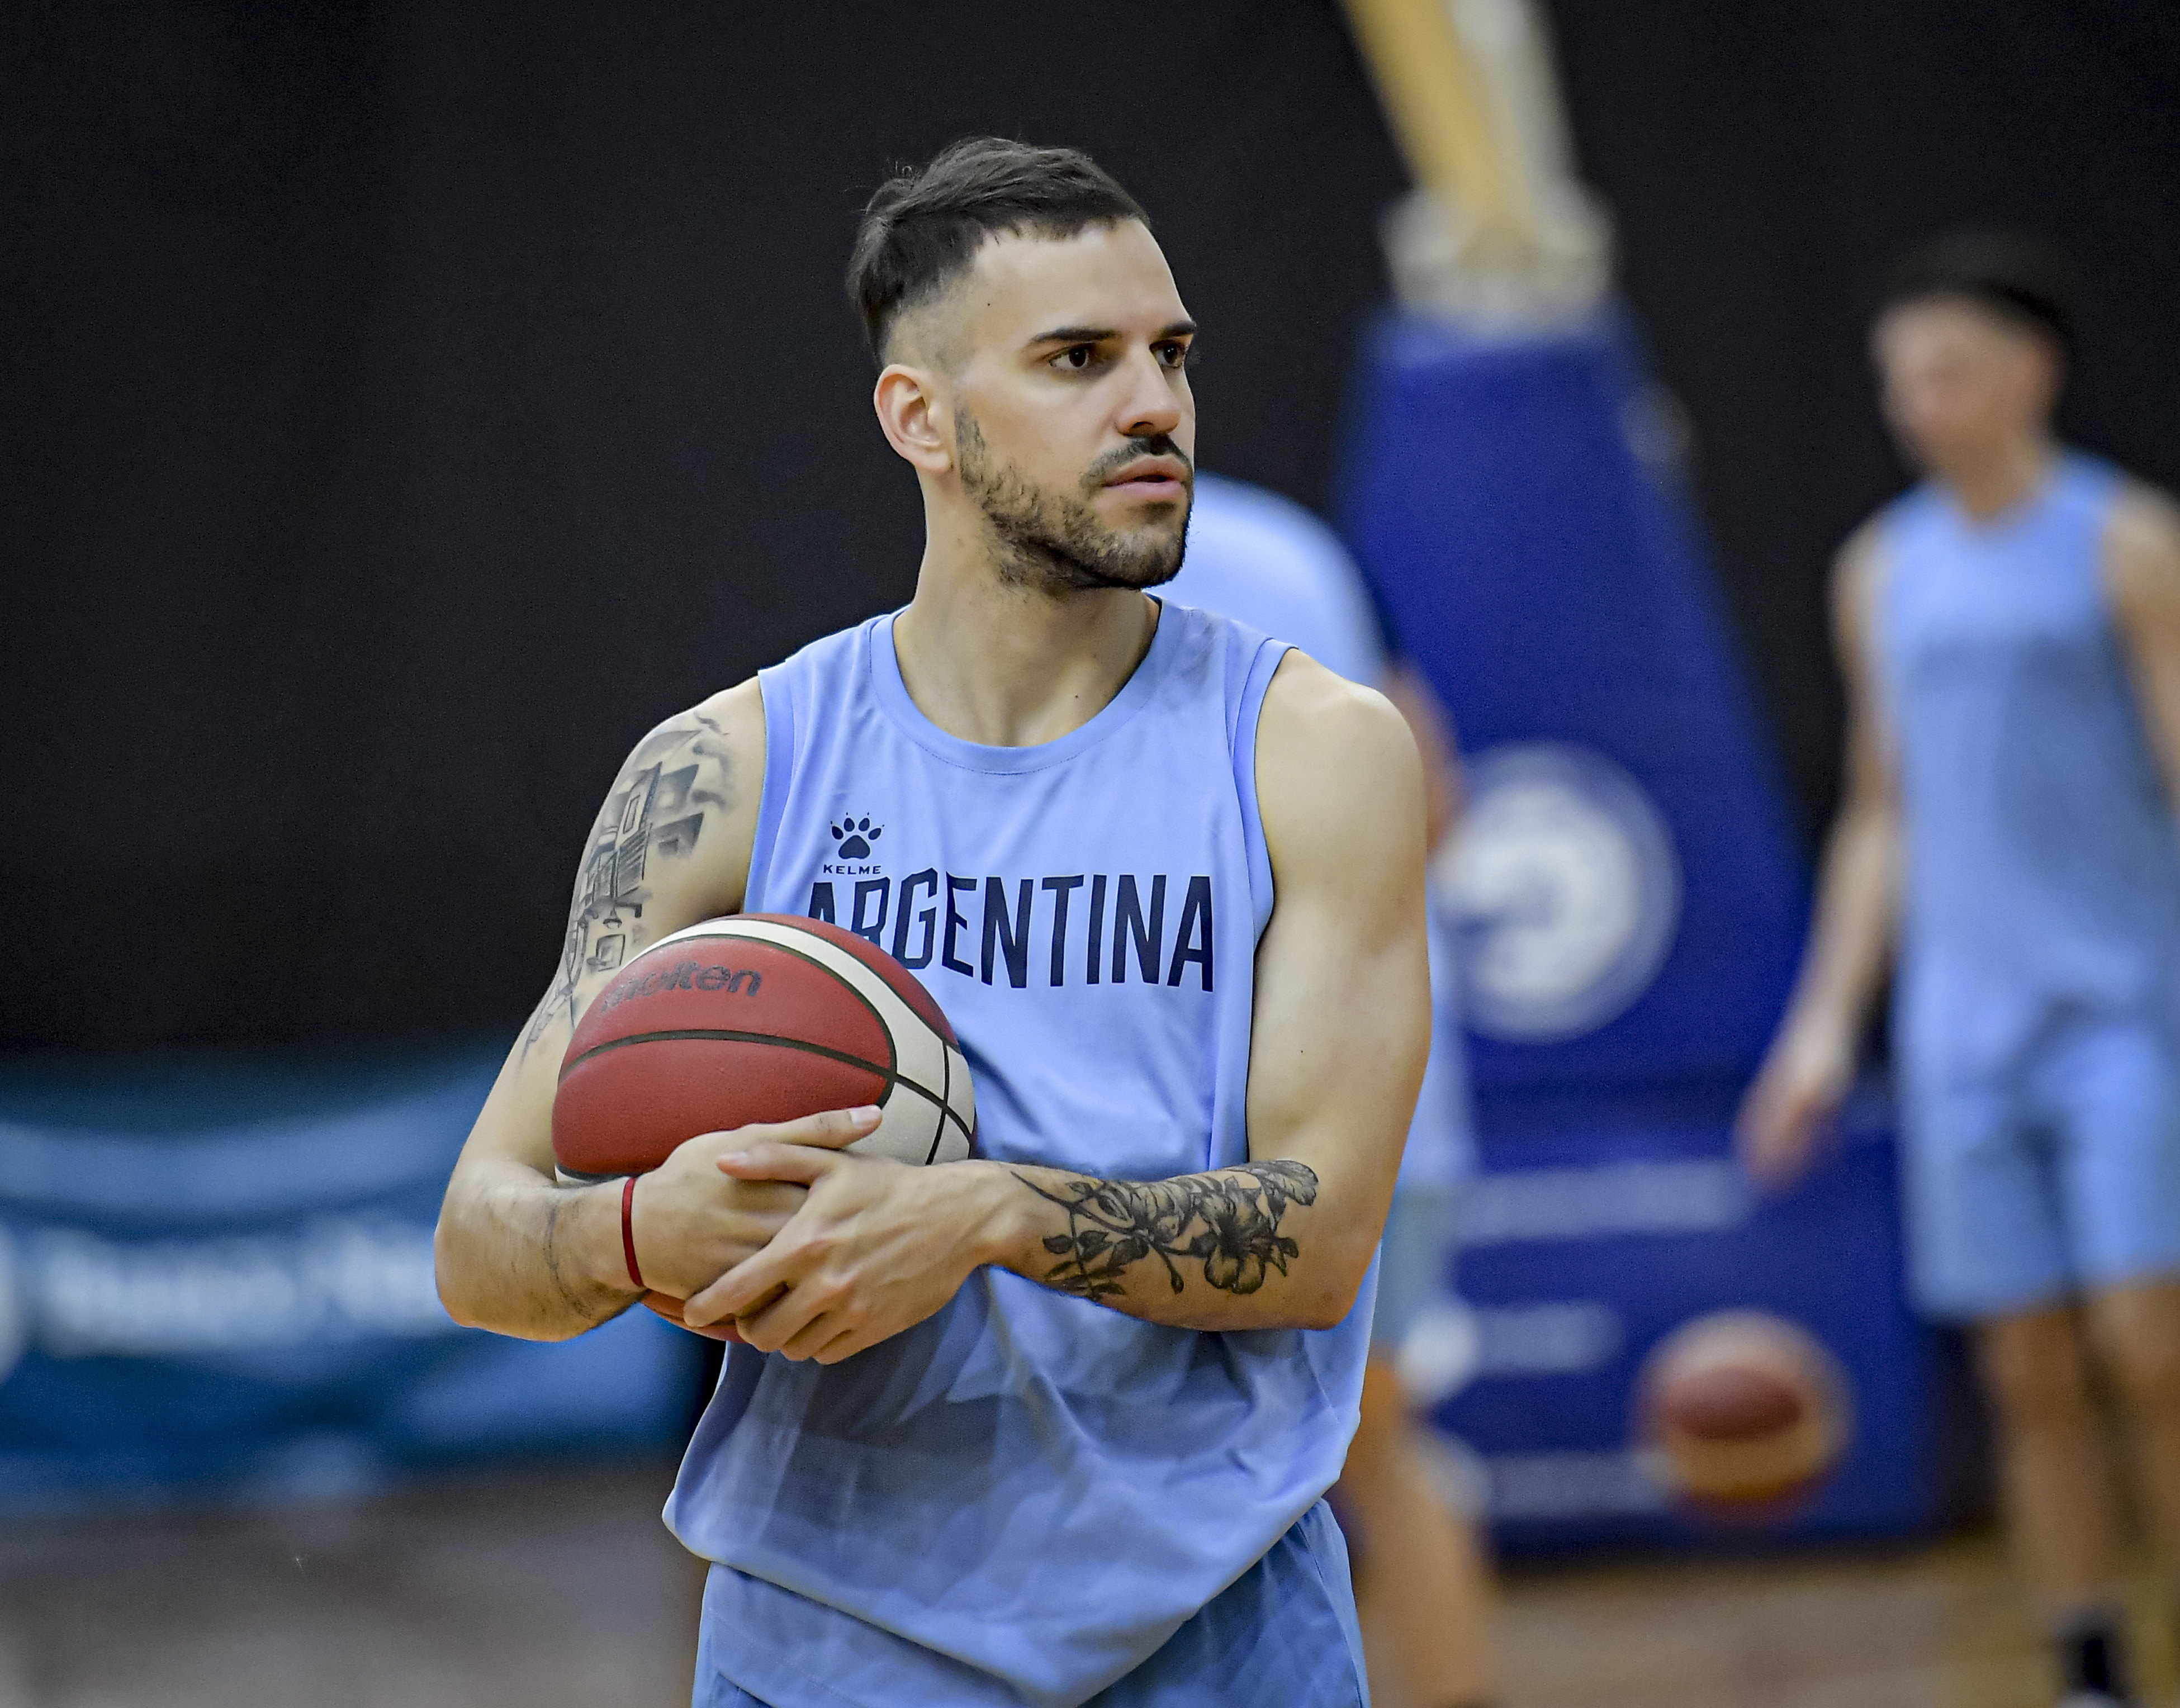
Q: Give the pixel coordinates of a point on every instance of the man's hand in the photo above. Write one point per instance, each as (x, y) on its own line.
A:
(876, 1247)
(1811, 1064)
(1803, 1082)
(692, 1222)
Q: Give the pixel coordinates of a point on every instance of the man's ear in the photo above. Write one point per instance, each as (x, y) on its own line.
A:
(915, 417)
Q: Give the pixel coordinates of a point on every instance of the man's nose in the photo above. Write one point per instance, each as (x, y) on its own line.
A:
(1151, 405)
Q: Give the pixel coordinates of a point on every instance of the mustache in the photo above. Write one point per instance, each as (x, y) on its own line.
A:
(1118, 457)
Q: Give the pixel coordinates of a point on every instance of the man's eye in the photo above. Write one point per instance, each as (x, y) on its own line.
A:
(1173, 356)
(1075, 358)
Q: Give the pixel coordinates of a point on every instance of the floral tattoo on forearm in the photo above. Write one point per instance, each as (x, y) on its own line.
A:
(1230, 1220)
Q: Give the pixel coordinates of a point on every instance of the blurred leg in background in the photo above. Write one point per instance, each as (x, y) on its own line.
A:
(1421, 1586)
(2058, 1488)
(2037, 1367)
(2138, 1330)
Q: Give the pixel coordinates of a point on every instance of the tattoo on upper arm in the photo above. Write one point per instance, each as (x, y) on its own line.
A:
(1230, 1219)
(657, 808)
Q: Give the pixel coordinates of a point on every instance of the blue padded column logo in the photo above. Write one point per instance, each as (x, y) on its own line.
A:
(1566, 887)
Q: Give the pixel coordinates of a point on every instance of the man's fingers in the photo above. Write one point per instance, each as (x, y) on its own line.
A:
(1777, 1140)
(744, 1288)
(830, 1131)
(843, 1344)
(734, 1292)
(821, 1331)
(773, 1327)
(797, 1165)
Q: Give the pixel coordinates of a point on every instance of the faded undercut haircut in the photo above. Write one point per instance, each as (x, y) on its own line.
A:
(922, 228)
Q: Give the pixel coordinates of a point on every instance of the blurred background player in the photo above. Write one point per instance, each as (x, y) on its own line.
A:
(2009, 632)
(1420, 1582)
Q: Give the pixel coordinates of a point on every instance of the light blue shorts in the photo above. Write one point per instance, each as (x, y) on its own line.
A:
(1282, 1635)
(2061, 1179)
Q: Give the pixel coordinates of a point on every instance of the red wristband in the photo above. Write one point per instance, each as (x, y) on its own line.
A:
(628, 1231)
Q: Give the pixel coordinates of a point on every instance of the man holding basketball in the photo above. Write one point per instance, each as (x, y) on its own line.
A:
(1052, 1425)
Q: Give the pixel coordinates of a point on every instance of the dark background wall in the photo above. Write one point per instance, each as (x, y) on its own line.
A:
(403, 407)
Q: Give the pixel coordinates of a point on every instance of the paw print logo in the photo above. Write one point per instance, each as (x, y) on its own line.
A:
(855, 835)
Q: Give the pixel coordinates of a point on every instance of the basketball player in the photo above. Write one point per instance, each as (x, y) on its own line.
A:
(2010, 631)
(1420, 1584)
(1052, 1425)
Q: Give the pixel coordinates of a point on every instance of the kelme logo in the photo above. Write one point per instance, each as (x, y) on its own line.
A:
(855, 835)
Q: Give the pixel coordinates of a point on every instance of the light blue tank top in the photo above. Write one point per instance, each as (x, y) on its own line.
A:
(1021, 1498)
(2042, 871)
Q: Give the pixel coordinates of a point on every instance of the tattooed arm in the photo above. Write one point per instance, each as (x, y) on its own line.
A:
(1282, 1241)
(515, 1251)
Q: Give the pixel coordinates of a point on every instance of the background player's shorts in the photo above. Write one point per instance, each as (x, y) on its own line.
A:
(2063, 1177)
(1282, 1635)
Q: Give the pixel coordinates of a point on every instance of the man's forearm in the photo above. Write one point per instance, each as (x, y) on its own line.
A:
(1241, 1248)
(1851, 943)
(521, 1256)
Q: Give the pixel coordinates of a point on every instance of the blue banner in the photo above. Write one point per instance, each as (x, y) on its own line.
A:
(216, 1275)
(1587, 1245)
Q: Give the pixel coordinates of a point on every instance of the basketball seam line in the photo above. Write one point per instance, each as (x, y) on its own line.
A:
(839, 978)
(709, 1035)
(945, 1102)
(718, 928)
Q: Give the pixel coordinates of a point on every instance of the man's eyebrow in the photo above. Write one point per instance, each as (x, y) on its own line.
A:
(1098, 335)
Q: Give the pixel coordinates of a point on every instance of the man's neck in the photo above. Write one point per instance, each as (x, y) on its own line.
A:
(1008, 666)
(1995, 484)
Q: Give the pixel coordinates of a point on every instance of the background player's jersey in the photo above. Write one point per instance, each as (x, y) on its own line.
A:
(1022, 1498)
(1266, 562)
(2043, 874)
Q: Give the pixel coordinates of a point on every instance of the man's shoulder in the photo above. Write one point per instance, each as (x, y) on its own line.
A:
(1315, 718)
(842, 649)
(1338, 781)
(2143, 519)
(2141, 550)
(819, 673)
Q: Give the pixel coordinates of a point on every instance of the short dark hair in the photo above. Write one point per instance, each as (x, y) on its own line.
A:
(2014, 276)
(923, 225)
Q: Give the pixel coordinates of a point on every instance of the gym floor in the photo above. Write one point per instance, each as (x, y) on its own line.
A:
(563, 1590)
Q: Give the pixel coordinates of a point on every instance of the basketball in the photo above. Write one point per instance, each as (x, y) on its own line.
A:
(1742, 1411)
(757, 1017)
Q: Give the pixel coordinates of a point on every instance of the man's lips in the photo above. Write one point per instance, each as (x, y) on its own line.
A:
(1156, 477)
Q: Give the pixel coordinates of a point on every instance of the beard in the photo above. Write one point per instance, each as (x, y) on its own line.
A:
(1056, 544)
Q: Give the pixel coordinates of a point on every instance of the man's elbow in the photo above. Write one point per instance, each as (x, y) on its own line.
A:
(447, 1274)
(1328, 1315)
(1330, 1301)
